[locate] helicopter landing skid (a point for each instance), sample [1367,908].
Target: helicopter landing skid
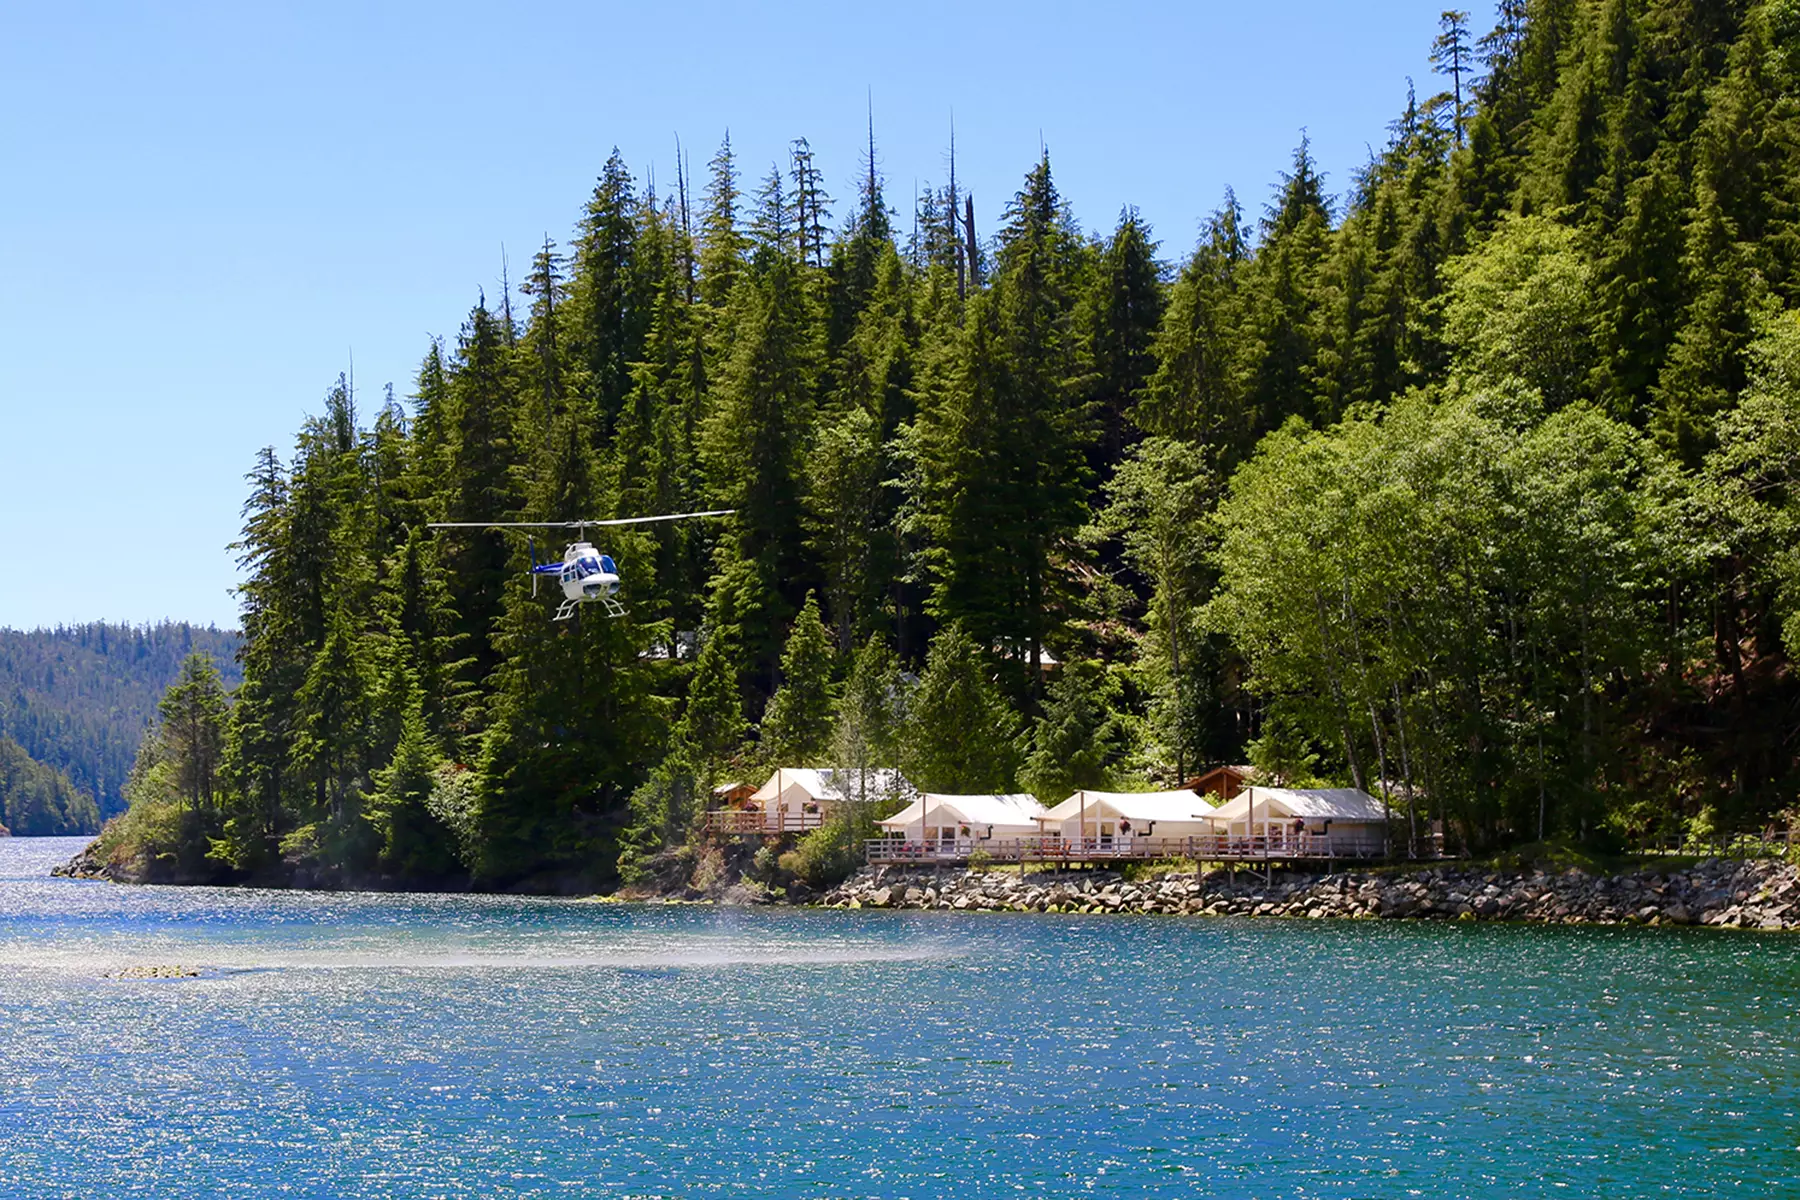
[566,609]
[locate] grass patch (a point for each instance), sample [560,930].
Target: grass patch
[1143,872]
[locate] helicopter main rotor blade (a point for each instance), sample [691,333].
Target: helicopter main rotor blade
[717,512]
[501,525]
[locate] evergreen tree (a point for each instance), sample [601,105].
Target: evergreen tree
[193,729]
[615,292]
[1124,313]
[796,730]
[754,440]
[712,725]
[1452,55]
[871,711]
[722,242]
[959,730]
[415,844]
[1077,739]
[482,483]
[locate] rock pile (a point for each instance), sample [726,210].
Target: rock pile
[155,971]
[1744,894]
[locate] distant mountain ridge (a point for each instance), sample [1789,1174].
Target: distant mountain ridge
[80,698]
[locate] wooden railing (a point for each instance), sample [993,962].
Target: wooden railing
[1287,847]
[1768,843]
[743,823]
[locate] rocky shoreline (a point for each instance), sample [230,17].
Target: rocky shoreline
[1761,894]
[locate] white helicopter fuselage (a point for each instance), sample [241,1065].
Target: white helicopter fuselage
[588,574]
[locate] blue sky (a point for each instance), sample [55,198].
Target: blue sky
[209,209]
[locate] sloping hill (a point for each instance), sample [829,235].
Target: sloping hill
[80,698]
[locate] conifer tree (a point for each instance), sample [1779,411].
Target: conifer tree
[843,495]
[615,291]
[414,843]
[1077,739]
[482,483]
[722,243]
[1452,55]
[796,729]
[1124,311]
[754,440]
[1194,392]
[871,711]
[712,725]
[959,730]
[193,729]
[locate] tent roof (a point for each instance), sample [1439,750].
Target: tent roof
[1178,805]
[807,779]
[1314,804]
[832,783]
[1009,808]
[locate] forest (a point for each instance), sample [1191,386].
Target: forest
[1471,484]
[78,699]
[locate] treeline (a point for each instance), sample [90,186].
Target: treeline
[1470,486]
[80,698]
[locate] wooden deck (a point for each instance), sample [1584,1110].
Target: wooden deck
[731,822]
[1305,847]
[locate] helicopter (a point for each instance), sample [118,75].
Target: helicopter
[587,576]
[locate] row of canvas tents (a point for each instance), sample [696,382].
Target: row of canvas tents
[1258,821]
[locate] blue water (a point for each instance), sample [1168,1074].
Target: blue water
[425,1046]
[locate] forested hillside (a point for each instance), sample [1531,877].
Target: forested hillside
[36,800]
[80,698]
[1469,482]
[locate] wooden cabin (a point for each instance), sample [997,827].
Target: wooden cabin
[732,795]
[1220,783]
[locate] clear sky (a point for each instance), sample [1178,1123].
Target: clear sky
[209,210]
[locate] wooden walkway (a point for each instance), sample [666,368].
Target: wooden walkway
[1304,847]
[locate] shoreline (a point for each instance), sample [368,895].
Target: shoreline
[1758,894]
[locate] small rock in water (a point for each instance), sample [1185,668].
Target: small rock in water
[155,971]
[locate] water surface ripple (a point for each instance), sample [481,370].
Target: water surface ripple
[452,1046]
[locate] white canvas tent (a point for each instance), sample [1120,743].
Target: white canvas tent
[796,798]
[941,818]
[1111,820]
[1353,820]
